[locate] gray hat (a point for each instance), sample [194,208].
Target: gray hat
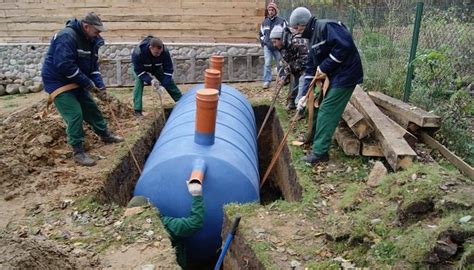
[300,16]
[92,19]
[277,32]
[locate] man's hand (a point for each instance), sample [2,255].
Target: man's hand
[155,83]
[194,187]
[301,104]
[92,88]
[320,75]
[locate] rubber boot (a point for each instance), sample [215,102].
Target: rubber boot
[290,105]
[81,157]
[109,137]
[314,159]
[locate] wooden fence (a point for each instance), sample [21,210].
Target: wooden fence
[233,21]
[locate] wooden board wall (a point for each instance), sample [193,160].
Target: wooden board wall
[231,21]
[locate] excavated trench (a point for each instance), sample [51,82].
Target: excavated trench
[281,184]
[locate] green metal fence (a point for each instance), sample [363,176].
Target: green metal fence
[443,65]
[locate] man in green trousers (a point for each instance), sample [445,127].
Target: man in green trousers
[332,55]
[70,73]
[152,65]
[179,228]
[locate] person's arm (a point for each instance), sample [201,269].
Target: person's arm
[343,46]
[95,75]
[167,68]
[182,227]
[139,68]
[262,33]
[64,61]
[310,70]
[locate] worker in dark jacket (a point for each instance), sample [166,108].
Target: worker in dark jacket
[269,52]
[70,72]
[152,65]
[294,50]
[333,55]
[180,228]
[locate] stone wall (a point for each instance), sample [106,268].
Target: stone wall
[21,63]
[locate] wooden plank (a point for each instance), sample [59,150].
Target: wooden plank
[409,126]
[410,138]
[371,148]
[455,160]
[347,140]
[396,150]
[356,122]
[406,111]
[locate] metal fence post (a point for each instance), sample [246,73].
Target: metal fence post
[352,15]
[414,44]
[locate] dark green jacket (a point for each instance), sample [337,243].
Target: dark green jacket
[179,228]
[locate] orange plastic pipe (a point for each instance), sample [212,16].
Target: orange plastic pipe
[206,114]
[212,79]
[217,62]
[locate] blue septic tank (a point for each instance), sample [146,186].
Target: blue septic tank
[231,173]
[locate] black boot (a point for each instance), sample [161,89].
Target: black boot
[138,113]
[81,157]
[109,137]
[314,159]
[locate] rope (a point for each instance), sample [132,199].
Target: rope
[278,88]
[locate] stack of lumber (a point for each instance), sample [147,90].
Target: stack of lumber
[377,125]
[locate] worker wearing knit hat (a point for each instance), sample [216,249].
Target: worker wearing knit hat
[269,52]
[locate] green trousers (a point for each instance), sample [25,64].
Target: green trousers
[171,88]
[76,107]
[326,118]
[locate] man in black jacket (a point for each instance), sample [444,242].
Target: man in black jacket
[333,55]
[270,52]
[152,65]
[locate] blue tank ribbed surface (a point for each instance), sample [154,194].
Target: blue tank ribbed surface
[232,165]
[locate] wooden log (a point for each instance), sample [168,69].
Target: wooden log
[410,138]
[371,148]
[409,126]
[396,150]
[455,160]
[405,111]
[347,140]
[356,122]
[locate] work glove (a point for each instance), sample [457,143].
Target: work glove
[155,83]
[320,74]
[194,187]
[92,88]
[160,90]
[301,104]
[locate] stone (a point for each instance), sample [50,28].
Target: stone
[294,264]
[2,90]
[18,81]
[233,51]
[23,90]
[461,199]
[44,139]
[13,89]
[465,219]
[37,87]
[125,52]
[28,83]
[148,267]
[377,174]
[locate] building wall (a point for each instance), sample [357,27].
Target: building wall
[229,21]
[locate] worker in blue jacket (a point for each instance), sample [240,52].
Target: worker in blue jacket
[152,65]
[270,52]
[332,55]
[70,72]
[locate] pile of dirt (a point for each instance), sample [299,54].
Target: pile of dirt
[22,253]
[34,153]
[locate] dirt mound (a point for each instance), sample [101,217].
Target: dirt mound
[35,147]
[19,253]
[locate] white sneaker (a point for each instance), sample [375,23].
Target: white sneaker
[266,85]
